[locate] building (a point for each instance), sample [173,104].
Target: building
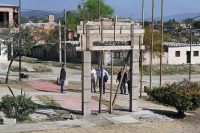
[8,22]
[179,53]
[176,53]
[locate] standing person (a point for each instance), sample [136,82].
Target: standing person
[105,79]
[123,83]
[93,80]
[62,77]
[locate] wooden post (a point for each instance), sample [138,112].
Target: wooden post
[60,44]
[101,87]
[152,39]
[161,46]
[120,82]
[141,75]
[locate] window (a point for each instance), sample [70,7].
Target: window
[196,53]
[177,54]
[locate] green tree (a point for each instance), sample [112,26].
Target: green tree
[89,10]
[73,19]
[171,24]
[9,38]
[157,40]
[196,25]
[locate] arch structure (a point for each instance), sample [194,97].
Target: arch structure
[110,35]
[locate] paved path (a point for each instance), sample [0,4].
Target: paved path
[69,100]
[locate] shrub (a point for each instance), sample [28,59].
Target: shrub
[18,107]
[183,95]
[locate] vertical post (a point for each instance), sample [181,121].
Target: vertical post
[151,58]
[134,66]
[190,53]
[142,13]
[101,87]
[141,53]
[161,46]
[60,43]
[101,69]
[86,84]
[99,8]
[86,78]
[20,37]
[65,34]
[140,63]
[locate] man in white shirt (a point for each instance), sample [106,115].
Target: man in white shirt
[93,80]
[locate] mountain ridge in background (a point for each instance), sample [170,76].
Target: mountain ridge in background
[59,15]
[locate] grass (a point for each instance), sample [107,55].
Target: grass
[37,68]
[166,69]
[48,101]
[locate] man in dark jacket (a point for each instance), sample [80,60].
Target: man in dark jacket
[123,83]
[62,77]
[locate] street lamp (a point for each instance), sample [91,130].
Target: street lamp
[191,46]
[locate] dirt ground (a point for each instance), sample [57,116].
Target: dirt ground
[190,124]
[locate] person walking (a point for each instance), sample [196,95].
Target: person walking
[123,83]
[62,77]
[93,80]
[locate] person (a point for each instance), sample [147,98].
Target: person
[93,80]
[62,77]
[105,79]
[123,83]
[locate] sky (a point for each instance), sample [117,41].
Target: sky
[123,8]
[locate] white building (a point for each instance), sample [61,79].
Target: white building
[179,53]
[176,53]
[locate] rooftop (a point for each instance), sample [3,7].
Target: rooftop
[173,44]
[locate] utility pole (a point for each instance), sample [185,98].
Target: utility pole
[141,53]
[190,63]
[19,41]
[161,46]
[60,43]
[99,8]
[151,59]
[65,30]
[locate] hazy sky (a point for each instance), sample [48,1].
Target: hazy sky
[125,8]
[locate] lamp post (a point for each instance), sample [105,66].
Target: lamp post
[190,65]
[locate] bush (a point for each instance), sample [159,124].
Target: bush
[183,95]
[18,107]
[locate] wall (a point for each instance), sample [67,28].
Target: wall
[183,55]
[156,59]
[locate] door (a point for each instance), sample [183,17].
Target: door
[188,56]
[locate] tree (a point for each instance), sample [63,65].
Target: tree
[171,24]
[157,40]
[73,19]
[10,38]
[196,25]
[89,10]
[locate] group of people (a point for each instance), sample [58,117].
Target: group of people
[102,79]
[97,74]
[102,75]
